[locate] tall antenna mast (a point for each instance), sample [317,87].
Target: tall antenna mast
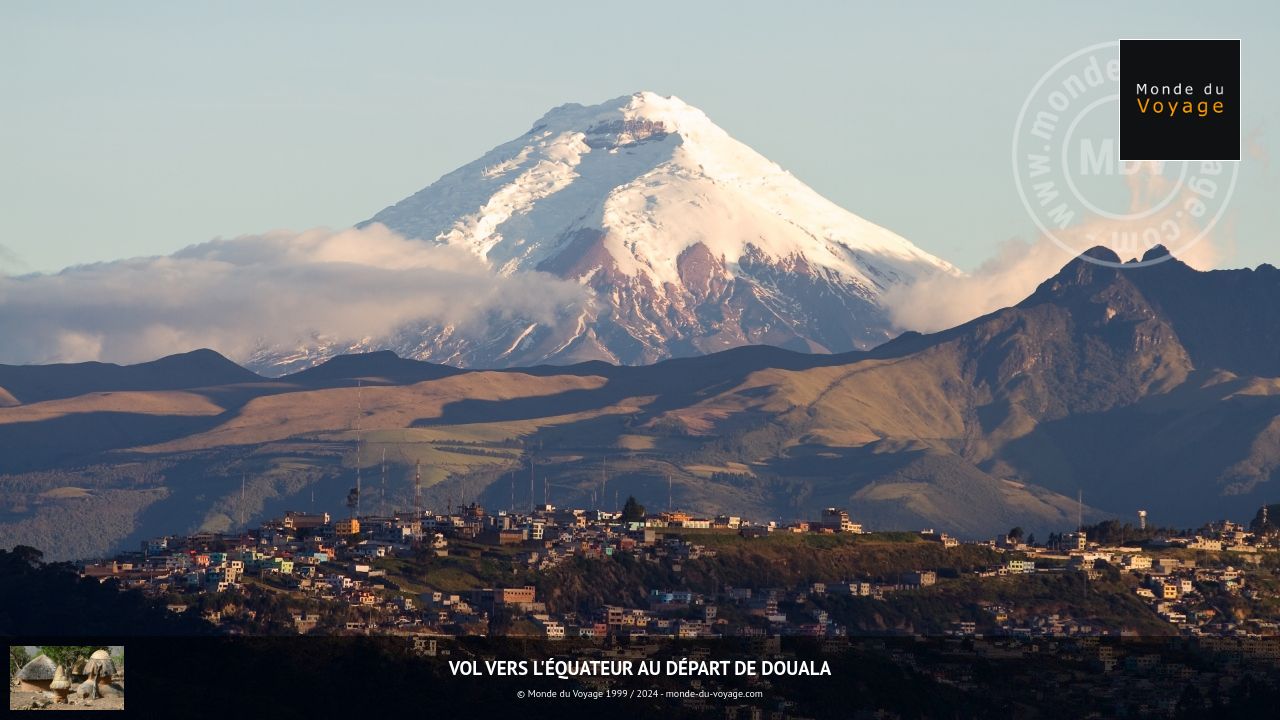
[668,492]
[382,500]
[512,477]
[242,498]
[604,478]
[1079,509]
[531,483]
[417,485]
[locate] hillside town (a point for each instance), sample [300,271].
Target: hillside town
[365,575]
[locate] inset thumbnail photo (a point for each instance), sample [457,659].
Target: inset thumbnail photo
[66,677]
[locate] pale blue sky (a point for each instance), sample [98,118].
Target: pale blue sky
[136,128]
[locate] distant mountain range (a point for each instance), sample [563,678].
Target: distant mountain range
[25,384]
[688,241]
[1155,388]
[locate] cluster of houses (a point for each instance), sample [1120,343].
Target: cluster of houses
[1176,588]
[1178,591]
[314,555]
[340,561]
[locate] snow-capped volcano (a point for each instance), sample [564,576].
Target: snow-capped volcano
[687,240]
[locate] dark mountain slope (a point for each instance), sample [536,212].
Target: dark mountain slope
[195,369]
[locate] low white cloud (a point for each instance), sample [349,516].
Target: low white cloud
[278,289]
[943,301]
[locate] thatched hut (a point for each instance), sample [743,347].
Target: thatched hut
[36,675]
[61,685]
[100,669]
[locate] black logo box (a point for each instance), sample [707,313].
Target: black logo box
[1182,65]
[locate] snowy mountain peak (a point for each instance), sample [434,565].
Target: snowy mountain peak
[631,118]
[687,241]
[653,176]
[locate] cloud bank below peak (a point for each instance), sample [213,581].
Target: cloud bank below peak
[279,289]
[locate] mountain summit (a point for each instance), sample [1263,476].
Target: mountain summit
[687,240]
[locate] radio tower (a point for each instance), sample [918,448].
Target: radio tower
[531,484]
[382,500]
[241,499]
[417,485]
[1079,510]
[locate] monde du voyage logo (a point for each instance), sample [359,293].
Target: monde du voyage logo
[1131,144]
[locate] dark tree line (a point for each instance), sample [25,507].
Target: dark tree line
[51,599]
